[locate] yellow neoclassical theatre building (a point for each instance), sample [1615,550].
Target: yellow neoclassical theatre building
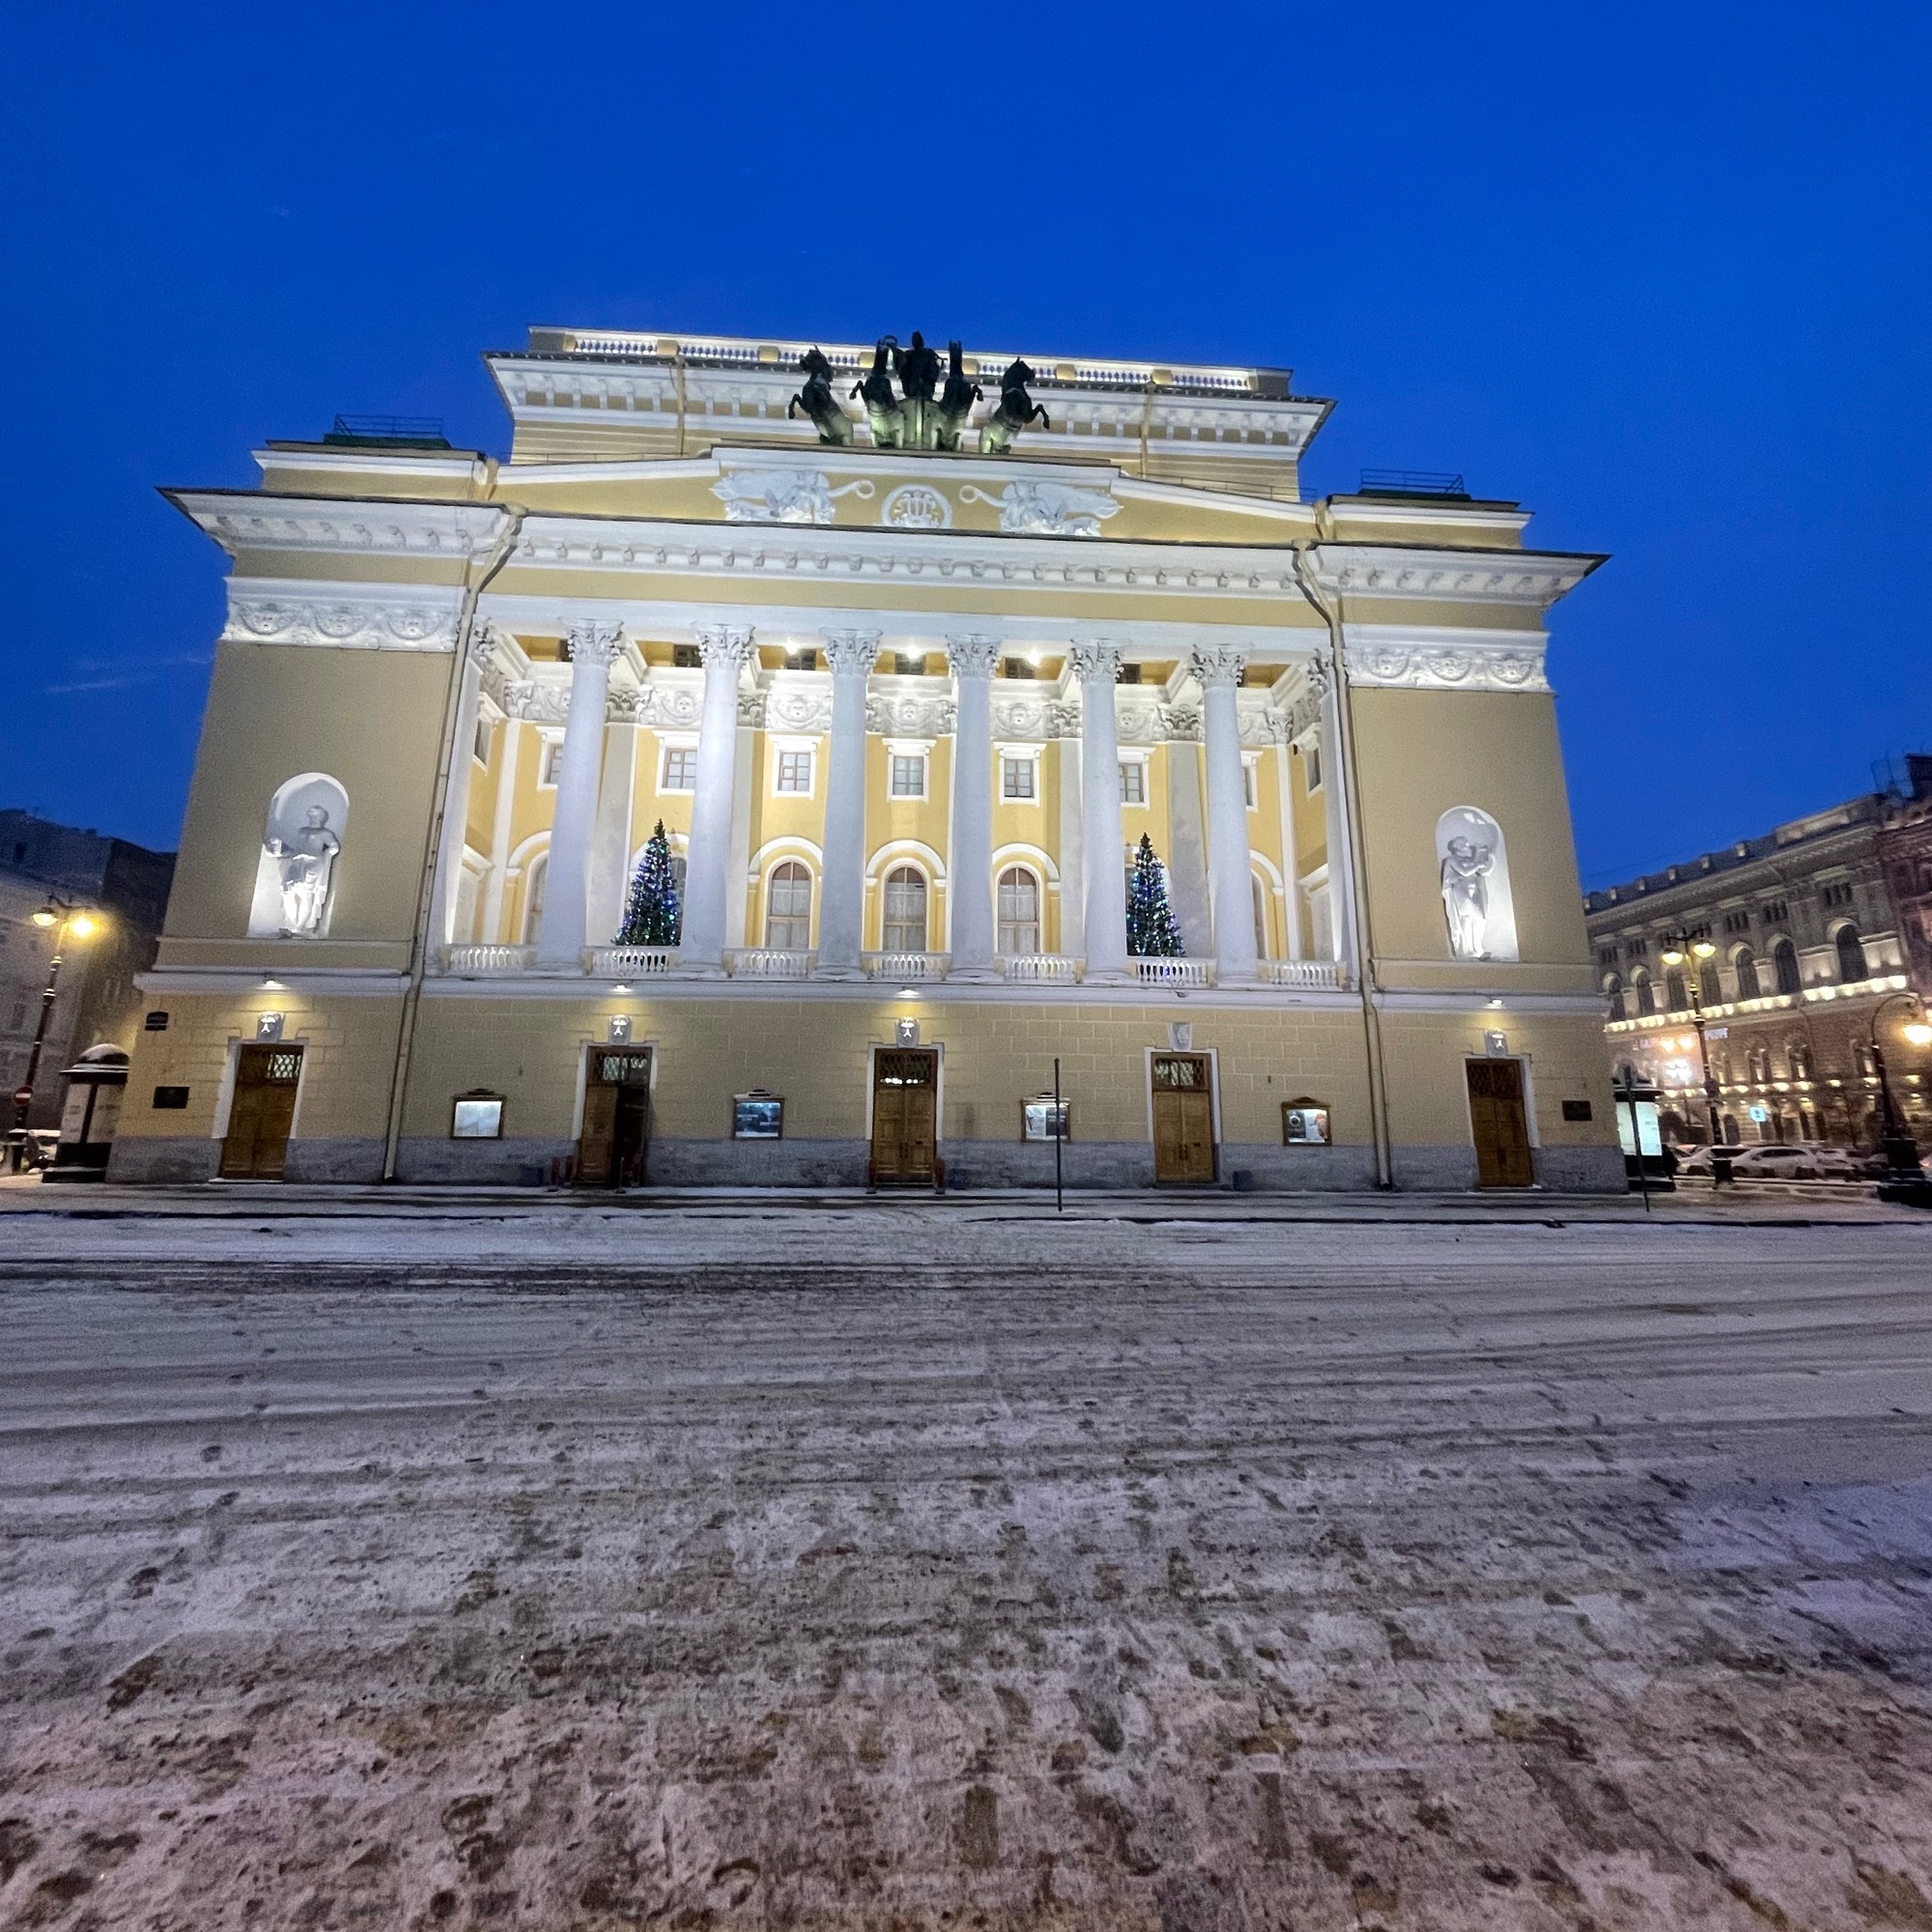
[906,677]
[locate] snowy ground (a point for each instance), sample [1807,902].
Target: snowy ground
[882,1566]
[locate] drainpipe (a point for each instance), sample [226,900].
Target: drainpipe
[406,1037]
[1358,895]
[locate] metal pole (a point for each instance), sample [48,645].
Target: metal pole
[1636,1140]
[21,1108]
[1058,1135]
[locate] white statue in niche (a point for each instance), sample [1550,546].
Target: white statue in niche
[307,868]
[296,870]
[1465,896]
[1472,871]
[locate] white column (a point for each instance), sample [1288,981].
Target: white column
[724,650]
[1335,797]
[1290,864]
[456,796]
[1219,672]
[616,806]
[970,860]
[1072,879]
[842,906]
[593,648]
[1097,665]
[499,831]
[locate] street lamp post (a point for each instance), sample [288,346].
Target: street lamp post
[1902,1150]
[80,924]
[1678,946]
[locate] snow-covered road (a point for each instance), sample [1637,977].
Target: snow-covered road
[890,1566]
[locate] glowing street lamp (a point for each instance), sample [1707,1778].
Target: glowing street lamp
[73,922]
[1680,945]
[1902,1150]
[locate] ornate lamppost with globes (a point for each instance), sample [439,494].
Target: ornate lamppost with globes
[1902,1150]
[1682,946]
[76,923]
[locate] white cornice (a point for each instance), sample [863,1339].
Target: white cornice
[1431,515]
[1439,574]
[464,464]
[245,520]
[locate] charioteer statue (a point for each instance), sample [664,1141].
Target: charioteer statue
[910,417]
[883,409]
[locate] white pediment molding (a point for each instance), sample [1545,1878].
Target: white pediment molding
[245,519]
[1432,574]
[1443,657]
[343,616]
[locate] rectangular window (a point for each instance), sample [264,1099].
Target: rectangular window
[795,771]
[480,751]
[1017,778]
[1775,912]
[1311,768]
[553,761]
[1248,787]
[802,660]
[477,1117]
[1015,668]
[908,775]
[905,665]
[680,772]
[1133,781]
[757,1116]
[686,657]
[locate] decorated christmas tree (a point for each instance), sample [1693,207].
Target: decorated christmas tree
[652,915]
[1151,933]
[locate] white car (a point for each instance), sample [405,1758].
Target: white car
[1798,1160]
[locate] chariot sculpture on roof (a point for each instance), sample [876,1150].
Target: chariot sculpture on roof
[913,416]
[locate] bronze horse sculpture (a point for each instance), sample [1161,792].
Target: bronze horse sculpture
[1015,412]
[956,400]
[817,401]
[883,409]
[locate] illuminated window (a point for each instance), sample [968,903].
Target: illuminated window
[789,908]
[1019,912]
[904,929]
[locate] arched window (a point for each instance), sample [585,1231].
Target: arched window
[789,908]
[1019,911]
[1784,963]
[678,870]
[1261,915]
[533,896]
[1675,997]
[1759,1060]
[1613,989]
[1745,961]
[1798,1057]
[1852,966]
[904,929]
[1710,988]
[1646,993]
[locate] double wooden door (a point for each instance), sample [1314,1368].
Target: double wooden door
[616,1136]
[1183,1118]
[1500,1124]
[256,1146]
[905,1113]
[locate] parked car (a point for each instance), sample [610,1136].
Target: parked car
[1799,1160]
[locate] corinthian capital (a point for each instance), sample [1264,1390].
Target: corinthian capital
[850,650]
[1218,665]
[1319,675]
[1095,661]
[725,647]
[592,640]
[972,654]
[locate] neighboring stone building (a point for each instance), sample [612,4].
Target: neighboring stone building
[905,711]
[97,999]
[1811,937]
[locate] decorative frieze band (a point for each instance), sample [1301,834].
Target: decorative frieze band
[1444,659]
[385,618]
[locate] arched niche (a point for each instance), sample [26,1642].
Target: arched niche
[297,871]
[1472,866]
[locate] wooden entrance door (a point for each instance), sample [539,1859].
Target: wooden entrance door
[264,1109]
[611,1150]
[905,1112]
[1501,1127]
[1183,1118]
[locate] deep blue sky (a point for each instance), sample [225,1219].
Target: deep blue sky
[1660,273]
